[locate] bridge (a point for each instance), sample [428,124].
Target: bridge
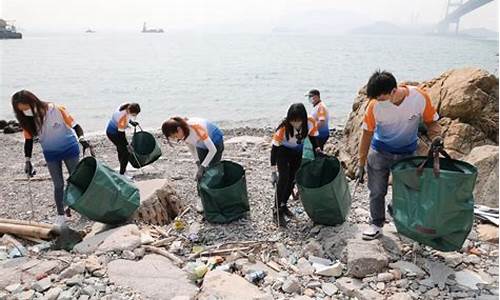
[455,9]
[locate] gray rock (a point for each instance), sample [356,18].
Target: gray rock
[331,271]
[407,268]
[84,297]
[400,296]
[291,285]
[367,294]
[329,288]
[27,295]
[14,288]
[348,285]
[75,280]
[468,279]
[365,258]
[385,277]
[140,252]
[305,267]
[88,290]
[154,277]
[223,285]
[472,259]
[439,272]
[53,293]
[127,254]
[313,284]
[72,270]
[127,237]
[65,295]
[282,250]
[313,248]
[42,285]
[433,293]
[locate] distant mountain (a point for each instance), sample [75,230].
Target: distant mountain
[320,22]
[481,33]
[381,28]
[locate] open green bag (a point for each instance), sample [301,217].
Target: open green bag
[99,193]
[223,192]
[146,149]
[323,190]
[435,211]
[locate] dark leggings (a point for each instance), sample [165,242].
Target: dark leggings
[322,141]
[121,144]
[288,162]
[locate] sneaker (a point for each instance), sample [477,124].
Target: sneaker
[128,176]
[199,206]
[279,218]
[288,212]
[60,220]
[372,232]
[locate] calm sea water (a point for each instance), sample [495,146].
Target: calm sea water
[235,80]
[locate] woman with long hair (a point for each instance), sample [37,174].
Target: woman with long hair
[204,139]
[124,115]
[55,129]
[286,156]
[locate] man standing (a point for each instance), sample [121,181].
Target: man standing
[321,116]
[390,128]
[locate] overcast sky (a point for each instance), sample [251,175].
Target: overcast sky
[230,15]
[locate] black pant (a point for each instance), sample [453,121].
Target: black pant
[202,153]
[322,141]
[288,162]
[121,144]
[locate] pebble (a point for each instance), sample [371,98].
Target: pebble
[329,289]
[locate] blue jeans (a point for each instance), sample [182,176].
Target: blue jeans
[56,172]
[379,168]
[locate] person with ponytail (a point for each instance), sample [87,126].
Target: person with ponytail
[286,156]
[123,116]
[204,139]
[55,129]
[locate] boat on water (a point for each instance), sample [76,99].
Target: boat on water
[151,30]
[8,31]
[90,31]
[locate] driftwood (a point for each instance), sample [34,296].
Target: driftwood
[23,222]
[23,228]
[165,253]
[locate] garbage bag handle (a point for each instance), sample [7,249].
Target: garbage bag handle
[433,155]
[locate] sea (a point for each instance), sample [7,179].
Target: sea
[234,80]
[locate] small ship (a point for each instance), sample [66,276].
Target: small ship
[8,31]
[152,30]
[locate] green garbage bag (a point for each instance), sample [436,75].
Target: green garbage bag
[435,211]
[223,192]
[146,149]
[323,190]
[99,193]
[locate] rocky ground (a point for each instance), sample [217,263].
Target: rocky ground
[304,261]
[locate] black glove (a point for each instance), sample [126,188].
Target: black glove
[274,177]
[437,143]
[360,174]
[133,123]
[28,169]
[85,144]
[199,174]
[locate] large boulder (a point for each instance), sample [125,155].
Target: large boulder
[485,158]
[467,102]
[155,277]
[222,285]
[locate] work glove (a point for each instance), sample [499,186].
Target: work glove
[199,174]
[133,123]
[437,143]
[360,174]
[85,144]
[274,177]
[28,169]
[130,148]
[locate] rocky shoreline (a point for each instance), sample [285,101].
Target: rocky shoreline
[305,261]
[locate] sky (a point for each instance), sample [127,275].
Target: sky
[229,15]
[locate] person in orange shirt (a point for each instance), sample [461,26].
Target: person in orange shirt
[122,117]
[55,129]
[390,128]
[286,156]
[321,116]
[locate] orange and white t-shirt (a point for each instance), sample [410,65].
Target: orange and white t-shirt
[279,137]
[395,127]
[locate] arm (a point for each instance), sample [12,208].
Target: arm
[211,152]
[433,129]
[28,148]
[274,154]
[364,146]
